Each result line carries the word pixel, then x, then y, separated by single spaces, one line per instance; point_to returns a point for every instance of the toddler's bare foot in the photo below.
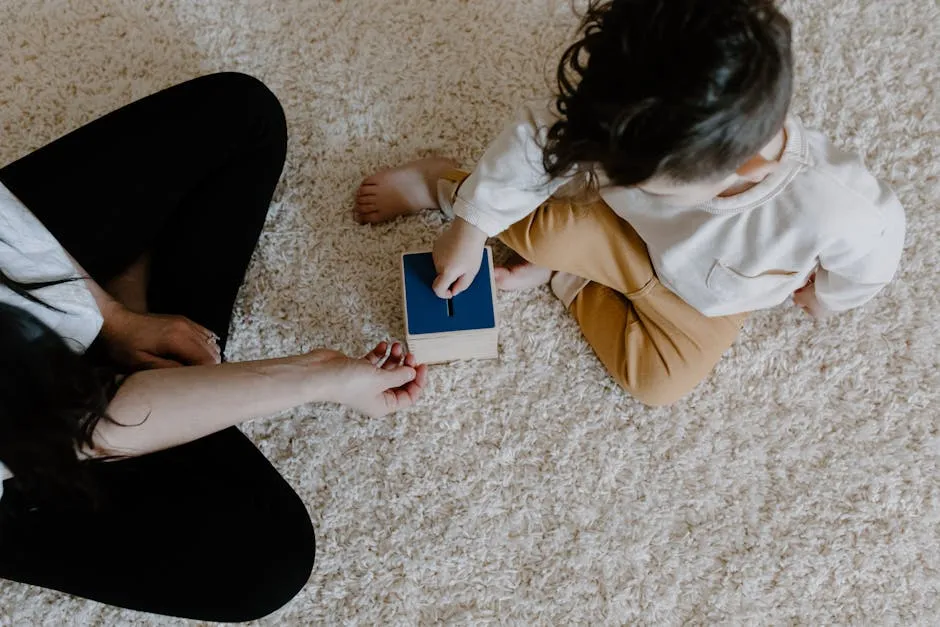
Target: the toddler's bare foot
pixel 519 274
pixel 400 191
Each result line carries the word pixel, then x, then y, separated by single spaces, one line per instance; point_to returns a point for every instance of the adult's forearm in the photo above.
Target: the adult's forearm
pixel 159 409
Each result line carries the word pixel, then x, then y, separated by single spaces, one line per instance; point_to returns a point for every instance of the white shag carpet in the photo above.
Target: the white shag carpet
pixel 798 485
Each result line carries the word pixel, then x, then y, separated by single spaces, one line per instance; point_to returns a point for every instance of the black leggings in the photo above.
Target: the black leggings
pixel 208 530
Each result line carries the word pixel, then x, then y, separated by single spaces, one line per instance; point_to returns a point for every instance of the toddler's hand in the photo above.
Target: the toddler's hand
pixel 805 299
pixel 457 256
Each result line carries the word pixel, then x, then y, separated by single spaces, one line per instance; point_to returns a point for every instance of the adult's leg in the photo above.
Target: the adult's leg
pixel 657 346
pixel 192 167
pixel 208 530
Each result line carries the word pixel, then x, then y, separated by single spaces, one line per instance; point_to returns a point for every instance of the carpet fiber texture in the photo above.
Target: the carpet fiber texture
pixel 798 485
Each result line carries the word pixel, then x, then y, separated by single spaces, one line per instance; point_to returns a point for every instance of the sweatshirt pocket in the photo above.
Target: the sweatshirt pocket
pixel 727 281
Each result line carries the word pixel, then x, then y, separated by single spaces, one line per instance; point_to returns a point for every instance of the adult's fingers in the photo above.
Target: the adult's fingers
pixel 395 357
pixel 193 348
pixel 416 387
pixel 208 337
pixel 421 376
pixel 201 330
pixel 206 350
pixel 412 390
pixel 397 377
pixel 377 354
pixel 186 341
pixel 407 395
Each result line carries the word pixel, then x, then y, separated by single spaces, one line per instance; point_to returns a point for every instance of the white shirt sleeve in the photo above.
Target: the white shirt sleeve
pixel 29 253
pixel 509 182
pixel 855 268
pixel 4 475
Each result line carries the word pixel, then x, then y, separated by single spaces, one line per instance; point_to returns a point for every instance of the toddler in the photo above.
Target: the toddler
pixel 664 193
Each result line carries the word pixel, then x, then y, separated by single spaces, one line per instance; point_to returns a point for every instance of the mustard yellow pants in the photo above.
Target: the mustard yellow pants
pixel 654 344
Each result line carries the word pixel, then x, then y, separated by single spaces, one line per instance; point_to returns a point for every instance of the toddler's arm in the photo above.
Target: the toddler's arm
pixel 855 268
pixel 508 183
pixel 457 254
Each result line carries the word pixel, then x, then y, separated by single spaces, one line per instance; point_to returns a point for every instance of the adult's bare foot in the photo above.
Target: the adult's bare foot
pixel 519 274
pixel 400 191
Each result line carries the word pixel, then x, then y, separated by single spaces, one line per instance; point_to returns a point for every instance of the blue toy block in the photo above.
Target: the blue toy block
pixel 463 327
pixel 426 313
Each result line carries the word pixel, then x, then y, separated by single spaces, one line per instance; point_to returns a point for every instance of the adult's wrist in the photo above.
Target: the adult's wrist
pixel 313 374
pixel 113 315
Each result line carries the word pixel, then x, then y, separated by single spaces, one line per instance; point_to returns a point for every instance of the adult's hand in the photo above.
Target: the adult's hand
pixel 386 380
pixel 147 341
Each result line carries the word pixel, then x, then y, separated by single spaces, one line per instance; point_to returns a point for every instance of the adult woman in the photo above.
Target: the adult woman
pixel 161 203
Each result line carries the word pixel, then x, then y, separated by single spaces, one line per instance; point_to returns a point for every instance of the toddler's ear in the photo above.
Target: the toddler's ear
pixel 757 169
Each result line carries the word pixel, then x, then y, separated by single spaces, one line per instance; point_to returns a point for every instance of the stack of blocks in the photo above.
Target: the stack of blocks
pixel 440 330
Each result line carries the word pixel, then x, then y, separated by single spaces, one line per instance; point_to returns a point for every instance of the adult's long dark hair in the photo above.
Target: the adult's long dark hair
pixel 51 399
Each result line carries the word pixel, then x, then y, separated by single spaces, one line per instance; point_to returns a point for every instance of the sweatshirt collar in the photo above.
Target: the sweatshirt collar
pixel 795 156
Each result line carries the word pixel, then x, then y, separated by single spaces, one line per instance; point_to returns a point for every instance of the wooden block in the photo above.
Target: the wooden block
pixel 440 330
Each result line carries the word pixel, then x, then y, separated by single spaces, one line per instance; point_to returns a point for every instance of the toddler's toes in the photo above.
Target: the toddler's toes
pixel 400 191
pixel 521 276
pixel 367 215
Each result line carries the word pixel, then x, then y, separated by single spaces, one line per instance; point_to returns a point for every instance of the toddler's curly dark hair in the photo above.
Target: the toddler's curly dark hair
pixel 686 89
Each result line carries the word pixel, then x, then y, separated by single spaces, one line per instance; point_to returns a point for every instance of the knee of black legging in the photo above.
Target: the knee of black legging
pixel 283 562
pixel 256 100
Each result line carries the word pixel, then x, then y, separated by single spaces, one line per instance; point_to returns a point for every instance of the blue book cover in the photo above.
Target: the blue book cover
pixel 470 310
